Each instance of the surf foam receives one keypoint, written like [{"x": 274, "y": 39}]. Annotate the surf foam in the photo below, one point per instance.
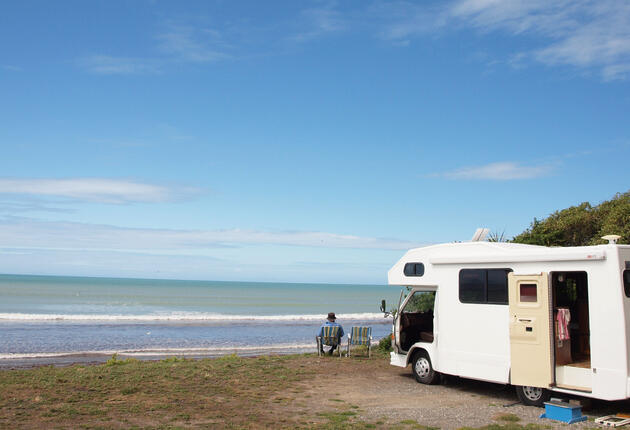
[{"x": 182, "y": 317}]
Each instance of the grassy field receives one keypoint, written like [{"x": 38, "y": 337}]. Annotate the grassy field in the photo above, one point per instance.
[{"x": 229, "y": 393}]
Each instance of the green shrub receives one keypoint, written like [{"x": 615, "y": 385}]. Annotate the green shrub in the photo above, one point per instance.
[
  {"x": 581, "y": 225},
  {"x": 385, "y": 344},
  {"x": 115, "y": 361}
]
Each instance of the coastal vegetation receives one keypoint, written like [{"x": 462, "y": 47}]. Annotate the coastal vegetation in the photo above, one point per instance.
[{"x": 581, "y": 225}]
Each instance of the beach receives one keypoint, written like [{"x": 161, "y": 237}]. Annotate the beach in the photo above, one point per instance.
[{"x": 61, "y": 320}]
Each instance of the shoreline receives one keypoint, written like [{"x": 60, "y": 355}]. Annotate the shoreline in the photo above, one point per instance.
[{"x": 29, "y": 361}]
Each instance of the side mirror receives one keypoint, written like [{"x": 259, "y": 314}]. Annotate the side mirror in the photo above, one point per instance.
[{"x": 383, "y": 306}]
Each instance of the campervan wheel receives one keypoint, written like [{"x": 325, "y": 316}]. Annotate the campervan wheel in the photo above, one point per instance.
[
  {"x": 423, "y": 370},
  {"x": 532, "y": 396}
]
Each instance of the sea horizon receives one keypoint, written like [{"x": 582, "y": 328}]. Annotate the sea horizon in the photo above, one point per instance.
[{"x": 186, "y": 280}]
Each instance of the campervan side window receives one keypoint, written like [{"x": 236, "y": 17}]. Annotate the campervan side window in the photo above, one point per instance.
[
  {"x": 414, "y": 269},
  {"x": 626, "y": 282},
  {"x": 483, "y": 286}
]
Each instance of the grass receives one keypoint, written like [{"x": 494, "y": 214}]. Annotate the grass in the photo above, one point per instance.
[
  {"x": 510, "y": 418},
  {"x": 124, "y": 391},
  {"x": 230, "y": 392}
]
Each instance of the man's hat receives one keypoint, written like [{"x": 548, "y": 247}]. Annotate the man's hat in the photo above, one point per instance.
[{"x": 331, "y": 316}]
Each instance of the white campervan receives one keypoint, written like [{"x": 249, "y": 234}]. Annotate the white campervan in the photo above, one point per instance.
[{"x": 542, "y": 319}]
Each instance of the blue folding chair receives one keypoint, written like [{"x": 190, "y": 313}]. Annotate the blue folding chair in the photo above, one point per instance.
[
  {"x": 330, "y": 338},
  {"x": 360, "y": 336}
]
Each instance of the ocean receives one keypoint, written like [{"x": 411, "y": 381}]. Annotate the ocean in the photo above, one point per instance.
[{"x": 57, "y": 319}]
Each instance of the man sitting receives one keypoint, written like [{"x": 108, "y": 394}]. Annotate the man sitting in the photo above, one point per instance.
[{"x": 330, "y": 321}]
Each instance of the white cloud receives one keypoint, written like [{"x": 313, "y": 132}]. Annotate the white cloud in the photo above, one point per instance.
[
  {"x": 616, "y": 72},
  {"x": 191, "y": 42},
  {"x": 92, "y": 189},
  {"x": 108, "y": 65},
  {"x": 177, "y": 44},
  {"x": 399, "y": 21},
  {"x": 588, "y": 34},
  {"x": 279, "y": 268},
  {"x": 29, "y": 233},
  {"x": 187, "y": 43},
  {"x": 503, "y": 171},
  {"x": 317, "y": 22},
  {"x": 585, "y": 34},
  {"x": 11, "y": 68},
  {"x": 28, "y": 204},
  {"x": 519, "y": 16}
]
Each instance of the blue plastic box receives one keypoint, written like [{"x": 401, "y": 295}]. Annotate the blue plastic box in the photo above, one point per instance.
[{"x": 563, "y": 411}]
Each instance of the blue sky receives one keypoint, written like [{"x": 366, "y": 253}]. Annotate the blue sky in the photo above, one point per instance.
[{"x": 298, "y": 141}]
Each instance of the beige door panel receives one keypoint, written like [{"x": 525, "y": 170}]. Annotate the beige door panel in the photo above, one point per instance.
[{"x": 530, "y": 330}]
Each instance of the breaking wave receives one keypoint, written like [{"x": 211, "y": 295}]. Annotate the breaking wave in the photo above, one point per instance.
[{"x": 184, "y": 317}]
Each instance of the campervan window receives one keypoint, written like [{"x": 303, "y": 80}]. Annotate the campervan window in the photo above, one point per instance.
[
  {"x": 528, "y": 293},
  {"x": 414, "y": 269},
  {"x": 421, "y": 301},
  {"x": 626, "y": 282},
  {"x": 483, "y": 286}
]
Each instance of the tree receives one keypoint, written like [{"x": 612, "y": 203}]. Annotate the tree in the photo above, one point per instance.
[
  {"x": 581, "y": 225},
  {"x": 615, "y": 218}
]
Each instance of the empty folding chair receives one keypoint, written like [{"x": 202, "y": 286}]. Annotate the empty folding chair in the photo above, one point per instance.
[{"x": 360, "y": 336}]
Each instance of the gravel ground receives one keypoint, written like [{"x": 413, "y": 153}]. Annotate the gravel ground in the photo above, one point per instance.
[{"x": 385, "y": 392}]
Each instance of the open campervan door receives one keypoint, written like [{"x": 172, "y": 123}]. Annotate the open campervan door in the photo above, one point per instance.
[{"x": 530, "y": 330}]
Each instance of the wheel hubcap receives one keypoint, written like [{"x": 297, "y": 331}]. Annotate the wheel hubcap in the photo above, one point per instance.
[
  {"x": 423, "y": 367},
  {"x": 533, "y": 393}
]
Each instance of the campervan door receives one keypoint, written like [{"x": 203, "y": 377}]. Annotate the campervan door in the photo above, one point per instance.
[{"x": 530, "y": 330}]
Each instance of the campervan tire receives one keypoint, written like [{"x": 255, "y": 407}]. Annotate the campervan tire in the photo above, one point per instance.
[
  {"x": 423, "y": 369},
  {"x": 532, "y": 396}
]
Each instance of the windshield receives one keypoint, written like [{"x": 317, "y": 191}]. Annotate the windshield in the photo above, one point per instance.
[{"x": 421, "y": 301}]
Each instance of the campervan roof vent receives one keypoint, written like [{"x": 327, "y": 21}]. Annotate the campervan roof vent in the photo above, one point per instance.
[
  {"x": 480, "y": 234},
  {"x": 611, "y": 238}
]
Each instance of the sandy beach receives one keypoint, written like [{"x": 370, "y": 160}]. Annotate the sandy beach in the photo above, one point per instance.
[{"x": 269, "y": 391}]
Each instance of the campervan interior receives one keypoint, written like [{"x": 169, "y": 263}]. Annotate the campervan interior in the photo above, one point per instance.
[{"x": 571, "y": 330}]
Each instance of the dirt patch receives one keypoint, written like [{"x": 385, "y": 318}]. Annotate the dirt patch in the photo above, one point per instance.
[{"x": 384, "y": 393}]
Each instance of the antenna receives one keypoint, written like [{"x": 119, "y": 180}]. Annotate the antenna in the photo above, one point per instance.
[
  {"x": 611, "y": 238},
  {"x": 480, "y": 234}
]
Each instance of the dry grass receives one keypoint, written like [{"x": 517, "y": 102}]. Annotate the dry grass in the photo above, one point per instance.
[
  {"x": 229, "y": 392},
  {"x": 267, "y": 392}
]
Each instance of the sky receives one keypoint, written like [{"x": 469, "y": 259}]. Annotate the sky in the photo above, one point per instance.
[{"x": 298, "y": 141}]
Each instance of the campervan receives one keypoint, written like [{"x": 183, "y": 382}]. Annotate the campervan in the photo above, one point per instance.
[{"x": 544, "y": 319}]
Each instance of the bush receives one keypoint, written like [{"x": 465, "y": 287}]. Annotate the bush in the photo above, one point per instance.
[
  {"x": 115, "y": 361},
  {"x": 385, "y": 344},
  {"x": 581, "y": 225}
]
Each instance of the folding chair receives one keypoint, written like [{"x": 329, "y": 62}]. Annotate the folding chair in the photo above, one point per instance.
[
  {"x": 330, "y": 338},
  {"x": 360, "y": 336}
]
